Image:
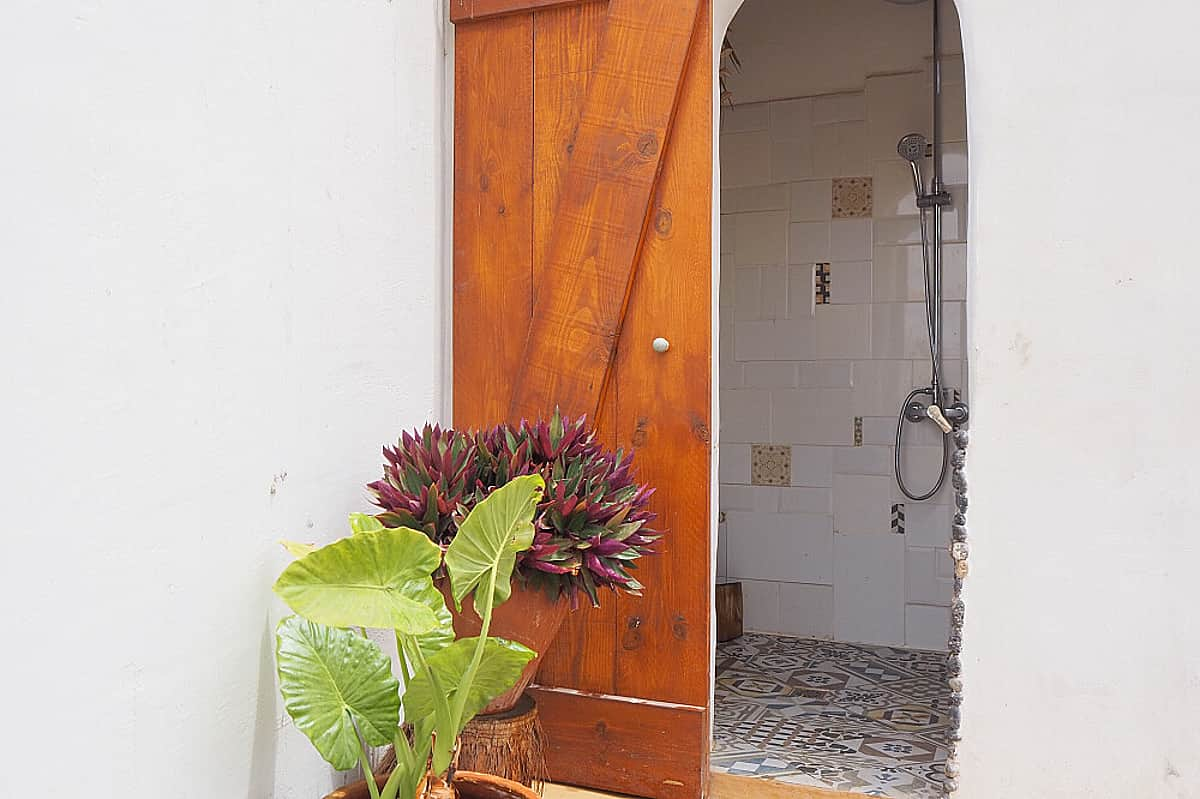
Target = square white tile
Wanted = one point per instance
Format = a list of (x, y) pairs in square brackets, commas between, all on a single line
[(850, 282), (811, 466), (791, 119), (850, 240), (754, 341), (811, 200), (927, 627), (840, 150), (808, 242), (843, 332), (806, 610), (745, 159), (793, 547), (927, 525), (924, 586), (795, 339), (761, 238), (791, 159), (862, 505), (868, 589), (880, 430), (734, 463), (745, 415), (880, 387), (760, 605)]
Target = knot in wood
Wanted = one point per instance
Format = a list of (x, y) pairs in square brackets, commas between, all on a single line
[(647, 144), (662, 222)]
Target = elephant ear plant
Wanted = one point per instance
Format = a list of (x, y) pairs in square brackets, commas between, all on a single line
[(338, 685)]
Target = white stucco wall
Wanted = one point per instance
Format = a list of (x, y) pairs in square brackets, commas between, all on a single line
[(1082, 643), (220, 230)]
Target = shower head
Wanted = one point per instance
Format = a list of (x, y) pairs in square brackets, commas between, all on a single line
[(911, 147)]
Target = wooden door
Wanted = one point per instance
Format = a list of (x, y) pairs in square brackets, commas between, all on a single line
[(582, 232)]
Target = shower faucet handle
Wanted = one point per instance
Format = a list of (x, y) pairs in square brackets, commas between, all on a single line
[(935, 413)]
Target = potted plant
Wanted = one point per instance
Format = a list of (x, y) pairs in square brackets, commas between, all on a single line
[(589, 527), (338, 686)]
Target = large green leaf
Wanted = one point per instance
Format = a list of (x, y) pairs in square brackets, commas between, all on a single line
[(498, 671), (332, 681), (371, 579), (491, 536), (442, 635)]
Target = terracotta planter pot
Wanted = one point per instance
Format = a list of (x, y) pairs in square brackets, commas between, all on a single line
[(469, 784), (529, 617)]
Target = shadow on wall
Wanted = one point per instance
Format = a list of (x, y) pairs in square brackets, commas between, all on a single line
[(261, 781)]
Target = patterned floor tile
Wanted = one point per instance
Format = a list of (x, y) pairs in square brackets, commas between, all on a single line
[(852, 717)]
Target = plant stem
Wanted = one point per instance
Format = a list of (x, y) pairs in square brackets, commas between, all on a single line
[(405, 668), (365, 763), (464, 685)]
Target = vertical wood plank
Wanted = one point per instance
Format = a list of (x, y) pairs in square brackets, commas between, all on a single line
[(493, 213), (664, 408), (584, 282), (566, 41)]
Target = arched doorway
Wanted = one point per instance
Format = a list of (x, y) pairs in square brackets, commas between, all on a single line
[(849, 588)]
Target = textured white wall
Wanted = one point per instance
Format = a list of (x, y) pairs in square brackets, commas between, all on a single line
[(220, 230), (1082, 644)]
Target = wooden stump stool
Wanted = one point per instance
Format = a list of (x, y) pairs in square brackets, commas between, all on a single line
[(510, 744), (729, 611)]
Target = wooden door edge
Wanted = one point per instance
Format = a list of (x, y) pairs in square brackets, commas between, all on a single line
[(731, 786)]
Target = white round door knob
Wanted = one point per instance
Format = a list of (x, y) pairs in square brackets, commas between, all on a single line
[(660, 344)]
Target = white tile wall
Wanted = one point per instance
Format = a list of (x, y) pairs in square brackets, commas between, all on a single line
[(850, 240), (868, 589), (808, 242), (862, 505), (812, 466), (745, 415), (760, 238), (840, 150), (926, 626), (760, 605), (811, 200), (785, 547), (799, 374), (850, 283), (745, 159), (806, 610)]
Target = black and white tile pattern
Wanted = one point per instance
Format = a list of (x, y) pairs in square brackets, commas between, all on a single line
[(852, 717)]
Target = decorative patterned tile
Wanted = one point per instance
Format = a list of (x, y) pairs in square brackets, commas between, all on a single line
[(821, 283), (770, 465), (852, 197), (898, 518), (851, 717), (858, 431)]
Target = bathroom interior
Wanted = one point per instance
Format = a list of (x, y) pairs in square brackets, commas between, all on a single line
[(843, 375)]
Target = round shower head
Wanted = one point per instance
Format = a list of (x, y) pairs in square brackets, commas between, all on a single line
[(912, 147)]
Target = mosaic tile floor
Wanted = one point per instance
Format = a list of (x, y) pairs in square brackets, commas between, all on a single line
[(867, 719)]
